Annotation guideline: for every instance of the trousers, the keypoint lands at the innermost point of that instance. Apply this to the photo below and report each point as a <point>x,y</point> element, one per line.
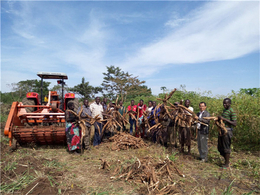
<point>98,134</point>
<point>203,145</point>
<point>132,122</point>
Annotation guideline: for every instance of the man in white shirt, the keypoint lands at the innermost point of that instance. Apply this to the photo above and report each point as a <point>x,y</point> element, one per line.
<point>187,105</point>
<point>97,110</point>
<point>203,132</point>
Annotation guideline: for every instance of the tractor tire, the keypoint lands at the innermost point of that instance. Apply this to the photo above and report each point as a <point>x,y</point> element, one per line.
<point>27,101</point>
<point>76,103</point>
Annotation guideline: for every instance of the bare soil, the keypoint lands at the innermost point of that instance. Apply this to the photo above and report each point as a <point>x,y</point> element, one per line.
<point>52,170</point>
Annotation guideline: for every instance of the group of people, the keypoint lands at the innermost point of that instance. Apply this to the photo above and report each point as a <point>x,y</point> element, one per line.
<point>138,113</point>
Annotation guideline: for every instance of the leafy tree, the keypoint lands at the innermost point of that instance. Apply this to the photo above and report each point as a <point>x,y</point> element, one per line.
<point>116,81</point>
<point>9,97</point>
<point>21,88</point>
<point>84,90</point>
<point>139,91</point>
<point>251,91</point>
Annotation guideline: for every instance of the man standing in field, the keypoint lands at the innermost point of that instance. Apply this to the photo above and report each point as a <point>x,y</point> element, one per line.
<point>132,109</point>
<point>185,130</point>
<point>104,104</point>
<point>151,118</point>
<point>97,110</point>
<point>224,141</point>
<point>141,108</point>
<point>193,127</point>
<point>86,110</point>
<point>172,133</point>
<point>122,111</point>
<point>187,105</point>
<point>203,132</point>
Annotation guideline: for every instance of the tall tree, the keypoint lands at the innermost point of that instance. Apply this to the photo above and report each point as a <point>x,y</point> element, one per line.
<point>163,89</point>
<point>84,90</point>
<point>117,82</point>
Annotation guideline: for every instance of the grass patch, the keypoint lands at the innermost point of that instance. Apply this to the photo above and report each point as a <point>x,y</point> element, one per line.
<point>173,157</point>
<point>10,166</point>
<point>18,184</point>
<point>53,164</point>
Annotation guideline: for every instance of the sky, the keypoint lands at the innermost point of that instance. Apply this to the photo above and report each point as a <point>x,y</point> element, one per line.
<point>204,45</point>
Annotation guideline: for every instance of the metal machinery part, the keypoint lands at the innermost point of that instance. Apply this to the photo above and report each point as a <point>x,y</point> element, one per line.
<point>41,124</point>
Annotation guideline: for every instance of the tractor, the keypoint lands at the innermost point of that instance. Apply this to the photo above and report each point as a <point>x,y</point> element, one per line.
<point>36,121</point>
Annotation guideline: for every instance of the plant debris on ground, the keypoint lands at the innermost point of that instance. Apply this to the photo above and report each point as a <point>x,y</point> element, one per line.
<point>52,170</point>
<point>125,141</point>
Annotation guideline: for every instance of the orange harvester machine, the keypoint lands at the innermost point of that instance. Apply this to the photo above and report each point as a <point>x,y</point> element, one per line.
<point>44,126</point>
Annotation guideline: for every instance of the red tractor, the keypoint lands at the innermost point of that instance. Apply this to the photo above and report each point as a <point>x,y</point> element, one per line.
<point>32,121</point>
<point>33,98</point>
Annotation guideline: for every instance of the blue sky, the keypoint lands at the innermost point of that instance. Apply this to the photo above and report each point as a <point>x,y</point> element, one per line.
<point>201,44</point>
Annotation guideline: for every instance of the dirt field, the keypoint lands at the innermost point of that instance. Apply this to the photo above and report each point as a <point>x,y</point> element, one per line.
<point>52,170</point>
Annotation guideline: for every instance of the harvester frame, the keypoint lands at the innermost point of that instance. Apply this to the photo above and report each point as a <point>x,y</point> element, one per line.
<point>45,124</point>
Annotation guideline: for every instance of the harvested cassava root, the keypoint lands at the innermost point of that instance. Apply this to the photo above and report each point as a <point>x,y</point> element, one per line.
<point>157,176</point>
<point>124,141</point>
<point>219,124</point>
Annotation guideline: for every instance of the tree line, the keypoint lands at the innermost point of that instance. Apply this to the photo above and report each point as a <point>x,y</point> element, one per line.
<point>115,82</point>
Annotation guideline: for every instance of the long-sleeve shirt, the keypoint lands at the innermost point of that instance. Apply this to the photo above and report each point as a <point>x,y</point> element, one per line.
<point>96,109</point>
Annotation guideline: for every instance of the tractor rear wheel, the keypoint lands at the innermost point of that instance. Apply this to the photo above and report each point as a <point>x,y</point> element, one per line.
<point>76,103</point>
<point>28,101</point>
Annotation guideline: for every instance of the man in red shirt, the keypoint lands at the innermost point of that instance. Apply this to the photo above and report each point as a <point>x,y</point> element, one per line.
<point>132,109</point>
<point>141,108</point>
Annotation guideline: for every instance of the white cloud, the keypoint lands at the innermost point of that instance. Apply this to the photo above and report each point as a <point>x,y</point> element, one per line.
<point>216,31</point>
<point>54,41</point>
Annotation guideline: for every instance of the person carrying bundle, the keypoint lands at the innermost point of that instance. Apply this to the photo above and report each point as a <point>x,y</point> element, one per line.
<point>224,140</point>
<point>184,129</point>
<point>122,111</point>
<point>73,132</point>
<point>131,109</point>
<point>141,108</point>
<point>203,132</point>
<point>86,110</point>
<point>97,110</point>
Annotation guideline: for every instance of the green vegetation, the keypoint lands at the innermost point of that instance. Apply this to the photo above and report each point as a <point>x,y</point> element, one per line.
<point>17,184</point>
<point>173,157</point>
<point>85,90</point>
<point>117,82</point>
